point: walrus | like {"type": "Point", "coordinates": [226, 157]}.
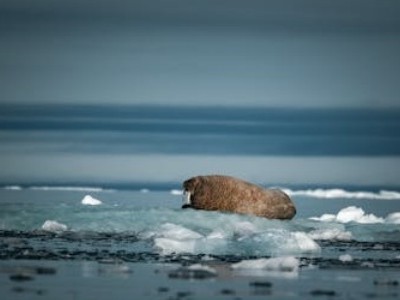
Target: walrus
{"type": "Point", "coordinates": [229, 194]}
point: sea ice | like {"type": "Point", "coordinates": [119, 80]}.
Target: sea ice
{"type": "Point", "coordinates": [346, 258]}
{"type": "Point", "coordinates": [350, 214]}
{"type": "Point", "coordinates": [89, 200]}
{"type": "Point", "coordinates": [54, 226]}
{"type": "Point", "coordinates": [176, 192]}
{"type": "Point", "coordinates": [393, 218]}
{"type": "Point", "coordinates": [356, 214]}
{"type": "Point", "coordinates": [281, 264]}
{"type": "Point", "coordinates": [340, 193]}
{"type": "Point", "coordinates": [174, 238]}
{"type": "Point", "coordinates": [13, 187]}
{"type": "Point", "coordinates": [305, 243]}
{"type": "Point", "coordinates": [244, 228]}
{"type": "Point", "coordinates": [332, 234]}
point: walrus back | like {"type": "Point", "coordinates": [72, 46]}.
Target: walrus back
{"type": "Point", "coordinates": [224, 193]}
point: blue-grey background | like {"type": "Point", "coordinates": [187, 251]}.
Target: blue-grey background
{"type": "Point", "coordinates": [279, 92]}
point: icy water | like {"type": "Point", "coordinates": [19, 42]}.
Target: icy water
{"type": "Point", "coordinates": [341, 244]}
{"type": "Point", "coordinates": [90, 203]}
{"type": "Point", "coordinates": [88, 243]}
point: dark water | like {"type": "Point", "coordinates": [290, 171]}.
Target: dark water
{"type": "Point", "coordinates": [160, 146]}
{"type": "Point", "coordinates": [209, 130]}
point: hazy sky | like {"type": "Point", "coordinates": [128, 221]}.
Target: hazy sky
{"type": "Point", "coordinates": [267, 53]}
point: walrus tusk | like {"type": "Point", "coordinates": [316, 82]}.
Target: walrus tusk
{"type": "Point", "coordinates": [186, 199]}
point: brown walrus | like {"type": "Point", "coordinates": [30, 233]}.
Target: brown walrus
{"type": "Point", "coordinates": [229, 194]}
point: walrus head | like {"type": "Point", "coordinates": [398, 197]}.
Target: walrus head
{"type": "Point", "coordinates": [189, 188]}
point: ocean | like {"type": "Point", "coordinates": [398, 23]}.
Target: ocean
{"type": "Point", "coordinates": [90, 200]}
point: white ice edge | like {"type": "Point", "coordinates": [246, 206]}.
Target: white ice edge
{"type": "Point", "coordinates": [54, 226]}
{"type": "Point", "coordinates": [89, 200]}
{"type": "Point", "coordinates": [341, 193]}
{"type": "Point", "coordinates": [358, 215]}
{"type": "Point", "coordinates": [70, 188]}
{"type": "Point", "coordinates": [280, 264]}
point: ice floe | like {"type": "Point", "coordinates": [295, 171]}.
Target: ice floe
{"type": "Point", "coordinates": [354, 214]}
{"type": "Point", "coordinates": [54, 226]}
{"type": "Point", "coordinates": [331, 234]}
{"type": "Point", "coordinates": [281, 264]}
{"type": "Point", "coordinates": [176, 192]}
{"type": "Point", "coordinates": [341, 193]}
{"type": "Point", "coordinates": [345, 258]}
{"type": "Point", "coordinates": [172, 238]}
{"type": "Point", "coordinates": [89, 200]}
{"type": "Point", "coordinates": [393, 218]}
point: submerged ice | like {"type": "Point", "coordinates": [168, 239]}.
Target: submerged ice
{"type": "Point", "coordinates": [168, 231]}
{"type": "Point", "coordinates": [173, 238]}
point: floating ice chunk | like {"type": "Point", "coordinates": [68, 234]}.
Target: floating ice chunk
{"type": "Point", "coordinates": [393, 218]}
{"type": "Point", "coordinates": [305, 243]}
{"type": "Point", "coordinates": [54, 226]}
{"type": "Point", "coordinates": [350, 214]}
{"type": "Point", "coordinates": [174, 238]}
{"type": "Point", "coordinates": [346, 258]}
{"type": "Point", "coordinates": [340, 193]}
{"type": "Point", "coordinates": [280, 241]}
{"type": "Point", "coordinates": [325, 218]}
{"type": "Point", "coordinates": [89, 200]}
{"type": "Point", "coordinates": [333, 234]}
{"type": "Point", "coordinates": [281, 264]}
{"type": "Point", "coordinates": [176, 192]}
{"type": "Point", "coordinates": [356, 214]}
{"type": "Point", "coordinates": [389, 194]}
